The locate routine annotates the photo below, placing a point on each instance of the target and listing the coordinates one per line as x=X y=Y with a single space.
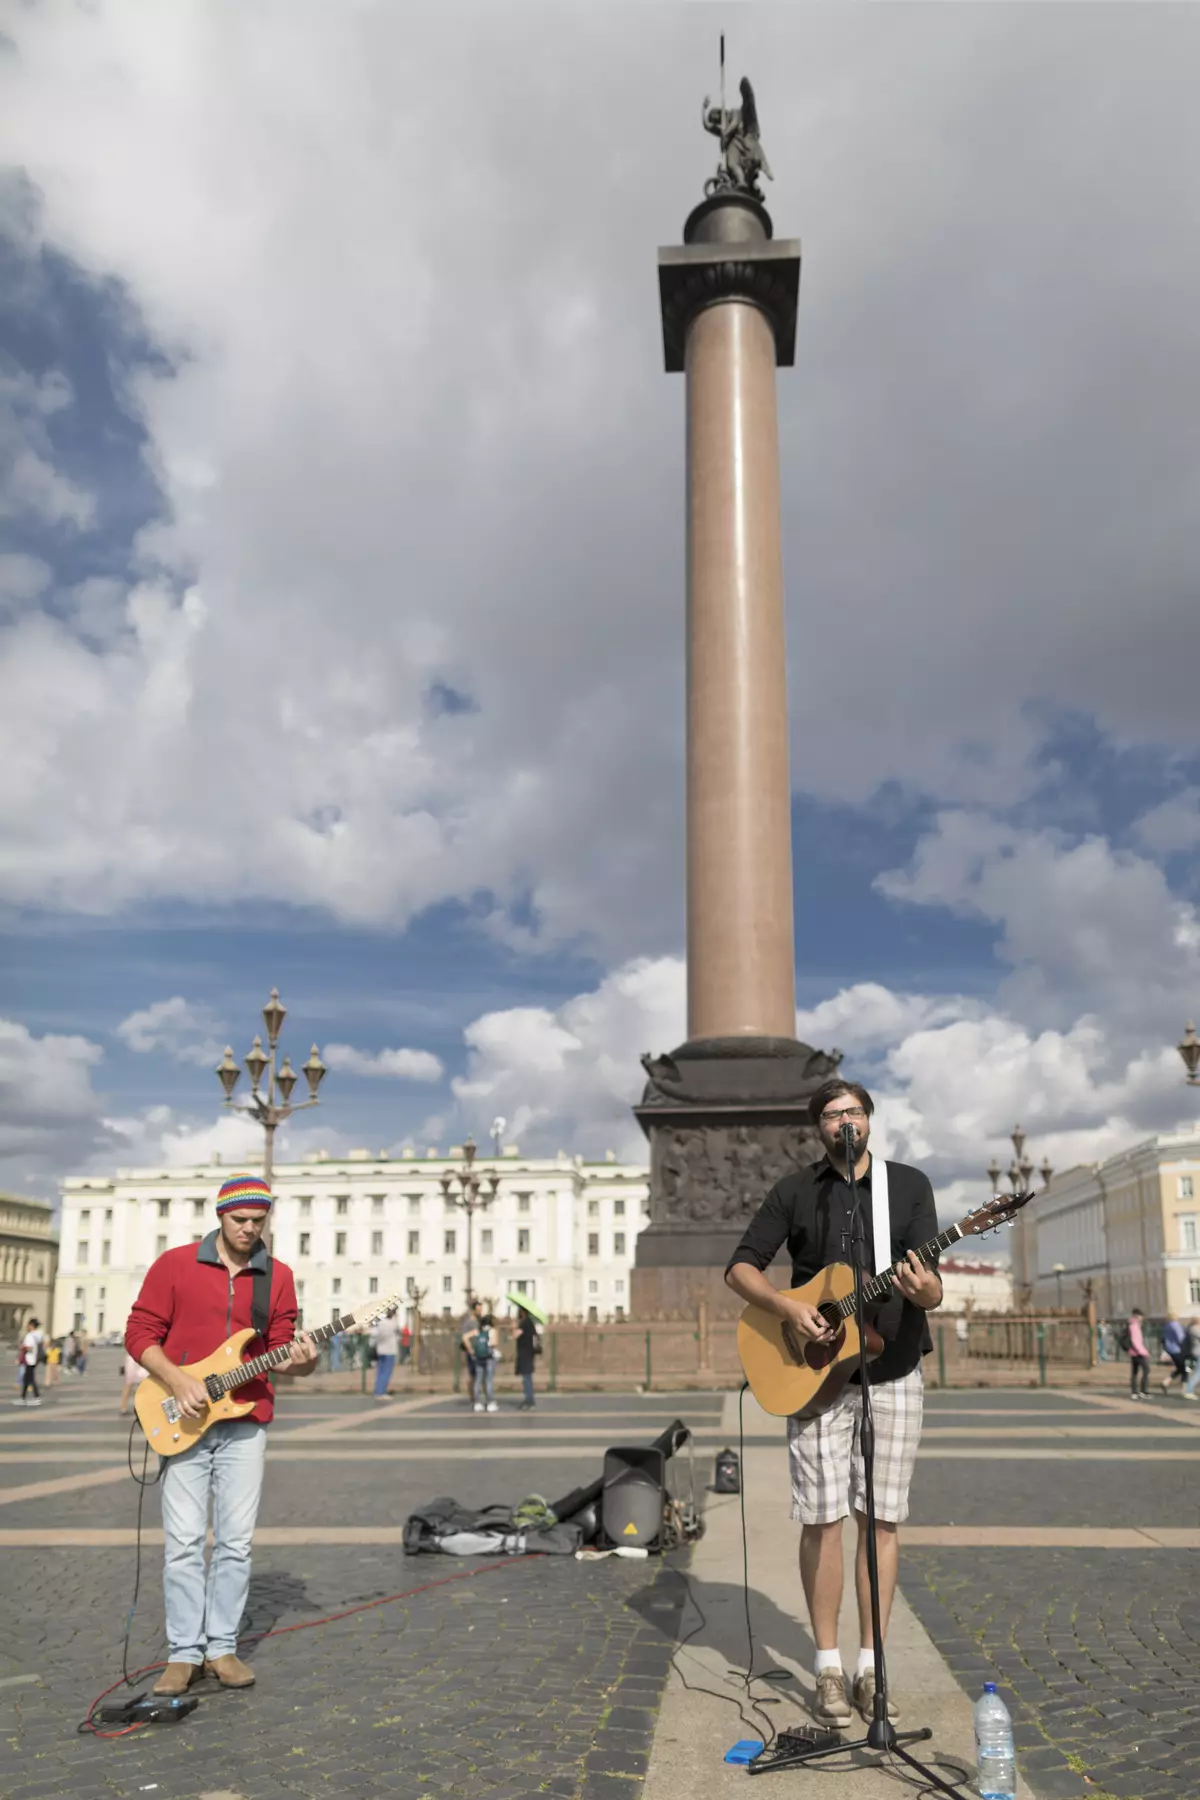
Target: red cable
x=304 y=1625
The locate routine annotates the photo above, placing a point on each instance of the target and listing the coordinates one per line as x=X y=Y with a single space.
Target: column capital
x=694 y=276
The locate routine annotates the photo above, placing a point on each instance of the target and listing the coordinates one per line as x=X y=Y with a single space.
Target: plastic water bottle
x=994 y=1746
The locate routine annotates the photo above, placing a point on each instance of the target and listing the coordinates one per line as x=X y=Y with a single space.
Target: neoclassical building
x=363 y=1225
x=28 y=1258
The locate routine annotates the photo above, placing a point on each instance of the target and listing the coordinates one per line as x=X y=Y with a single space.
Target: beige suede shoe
x=230 y=1672
x=177 y=1678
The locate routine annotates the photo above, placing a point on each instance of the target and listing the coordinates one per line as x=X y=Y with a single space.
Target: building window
x=306 y=1207
x=106 y=1252
x=449 y=1240
x=522 y=1287
x=335 y=1286
x=618 y=1243
x=522 y=1243
x=620 y=1312
x=485 y=1242
x=99 y=1321
x=523 y=1202
x=593 y=1243
x=619 y=1286
x=372 y=1284
x=377 y=1243
x=593 y=1287
x=299 y=1290
x=339 y=1243
x=593 y=1316
x=79 y=1293
x=343 y=1205
x=197 y=1239
x=197 y=1209
x=305 y=1242
x=160 y=1245
x=377 y=1204
x=414 y=1243
x=448 y=1200
x=1194 y=1290
x=593 y=1209
x=447 y=1284
x=414 y=1206
x=108 y=1215
x=85 y=1217
x=1187 y=1232
x=164 y=1209
x=84 y=1247
x=100 y=1293
x=1185 y=1187
x=618 y=1209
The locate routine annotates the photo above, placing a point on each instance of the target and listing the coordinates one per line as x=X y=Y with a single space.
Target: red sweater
x=190 y=1303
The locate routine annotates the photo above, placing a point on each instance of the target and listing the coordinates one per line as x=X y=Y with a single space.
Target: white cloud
x=1172 y=825
x=869 y=1017
x=448 y=452
x=22 y=578
x=48 y=1106
x=30 y=484
x=392 y=1065
x=185 y=1030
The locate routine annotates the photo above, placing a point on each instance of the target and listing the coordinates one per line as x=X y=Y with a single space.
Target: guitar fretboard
x=271 y=1359
x=880 y=1285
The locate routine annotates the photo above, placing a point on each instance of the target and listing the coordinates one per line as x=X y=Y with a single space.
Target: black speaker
x=727 y=1473
x=634 y=1493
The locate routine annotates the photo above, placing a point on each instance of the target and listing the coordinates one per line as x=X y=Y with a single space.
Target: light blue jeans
x=485 y=1382
x=226 y=1465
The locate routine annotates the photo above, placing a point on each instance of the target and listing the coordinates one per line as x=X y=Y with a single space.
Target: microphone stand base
x=882 y=1736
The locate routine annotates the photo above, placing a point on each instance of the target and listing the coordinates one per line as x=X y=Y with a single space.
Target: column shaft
x=741 y=963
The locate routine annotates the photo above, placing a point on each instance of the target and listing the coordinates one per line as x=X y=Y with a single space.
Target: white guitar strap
x=881 y=1217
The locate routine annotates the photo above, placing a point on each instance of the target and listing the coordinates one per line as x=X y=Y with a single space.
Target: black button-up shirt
x=810 y=1212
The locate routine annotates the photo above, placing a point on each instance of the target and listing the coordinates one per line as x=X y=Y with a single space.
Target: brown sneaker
x=230 y=1672
x=832 y=1706
x=177 y=1678
x=864 y=1697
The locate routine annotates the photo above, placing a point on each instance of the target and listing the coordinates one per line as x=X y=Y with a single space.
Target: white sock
x=866 y=1661
x=829 y=1659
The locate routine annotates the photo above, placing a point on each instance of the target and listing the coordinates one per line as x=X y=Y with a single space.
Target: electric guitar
x=222 y=1374
x=788 y=1373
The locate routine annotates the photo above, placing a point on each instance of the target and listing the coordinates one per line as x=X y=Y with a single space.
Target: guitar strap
x=260 y=1304
x=881 y=1218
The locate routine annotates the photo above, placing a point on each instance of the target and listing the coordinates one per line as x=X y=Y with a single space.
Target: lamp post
x=1020 y=1175
x=1189 y=1048
x=415 y=1296
x=470 y=1199
x=1060 y=1270
x=263 y=1104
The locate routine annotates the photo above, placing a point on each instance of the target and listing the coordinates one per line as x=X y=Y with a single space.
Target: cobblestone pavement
x=1095 y=1651
x=540 y=1677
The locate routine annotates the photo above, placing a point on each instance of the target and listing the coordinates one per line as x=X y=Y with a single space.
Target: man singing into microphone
x=810 y=1211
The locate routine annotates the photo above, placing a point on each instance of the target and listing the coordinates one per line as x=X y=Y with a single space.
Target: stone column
x=726 y=1112
x=741 y=972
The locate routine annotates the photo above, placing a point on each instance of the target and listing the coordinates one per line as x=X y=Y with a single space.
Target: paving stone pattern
x=1097 y=1656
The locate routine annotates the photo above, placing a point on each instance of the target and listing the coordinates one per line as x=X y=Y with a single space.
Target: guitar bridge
x=170 y=1407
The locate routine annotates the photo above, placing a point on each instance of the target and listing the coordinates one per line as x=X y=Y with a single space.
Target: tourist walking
x=1139 y=1357
x=30 y=1355
x=1174 y=1343
x=405 y=1343
x=467 y=1330
x=132 y=1375
x=1193 y=1380
x=483 y=1350
x=528 y=1347
x=386 y=1338
x=53 y=1362
x=81 y=1352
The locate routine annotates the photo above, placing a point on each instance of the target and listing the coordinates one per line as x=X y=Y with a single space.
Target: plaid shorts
x=826 y=1461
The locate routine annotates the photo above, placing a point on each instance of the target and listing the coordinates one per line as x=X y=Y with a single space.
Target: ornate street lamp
x=1060 y=1270
x=994 y=1173
x=1189 y=1048
x=470 y=1199
x=270 y=1103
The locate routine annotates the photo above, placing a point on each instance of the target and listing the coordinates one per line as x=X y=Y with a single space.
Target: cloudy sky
x=341 y=579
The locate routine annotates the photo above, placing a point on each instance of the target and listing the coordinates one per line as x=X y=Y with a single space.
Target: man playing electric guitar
x=192 y=1299
x=810 y=1211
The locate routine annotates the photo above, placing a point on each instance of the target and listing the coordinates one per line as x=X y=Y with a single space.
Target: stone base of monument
x=726 y=1119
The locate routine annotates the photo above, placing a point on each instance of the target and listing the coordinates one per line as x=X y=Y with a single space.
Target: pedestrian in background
x=81 y=1352
x=405 y=1343
x=483 y=1350
x=133 y=1374
x=1174 y=1343
x=387 y=1347
x=467 y=1330
x=53 y=1362
x=1139 y=1357
x=29 y=1356
x=1193 y=1380
x=528 y=1347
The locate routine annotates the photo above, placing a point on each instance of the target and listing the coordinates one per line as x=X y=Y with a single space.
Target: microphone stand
x=881 y=1733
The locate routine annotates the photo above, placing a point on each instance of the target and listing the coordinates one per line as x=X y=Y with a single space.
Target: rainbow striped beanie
x=249 y=1193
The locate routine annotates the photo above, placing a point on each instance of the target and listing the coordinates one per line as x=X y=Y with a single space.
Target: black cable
x=142 y=1484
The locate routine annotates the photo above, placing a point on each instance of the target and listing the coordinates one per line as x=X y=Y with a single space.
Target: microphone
x=849 y=1138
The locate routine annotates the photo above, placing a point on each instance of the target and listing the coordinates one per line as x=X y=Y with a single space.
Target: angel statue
x=742 y=154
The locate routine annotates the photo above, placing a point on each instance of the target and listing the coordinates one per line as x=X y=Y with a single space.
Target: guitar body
x=155 y=1403
x=788 y=1374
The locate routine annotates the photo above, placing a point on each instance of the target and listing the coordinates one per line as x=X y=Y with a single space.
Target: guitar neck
x=271 y=1359
x=880 y=1286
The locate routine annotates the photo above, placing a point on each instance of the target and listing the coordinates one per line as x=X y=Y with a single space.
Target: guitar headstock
x=1001 y=1209
x=375 y=1309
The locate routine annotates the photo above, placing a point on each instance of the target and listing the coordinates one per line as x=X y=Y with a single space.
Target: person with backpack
x=1134 y=1344
x=483 y=1348
x=1174 y=1343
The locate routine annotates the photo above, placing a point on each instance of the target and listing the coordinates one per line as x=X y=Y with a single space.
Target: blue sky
x=341 y=573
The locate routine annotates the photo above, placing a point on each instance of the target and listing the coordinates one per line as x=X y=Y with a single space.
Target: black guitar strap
x=260 y=1305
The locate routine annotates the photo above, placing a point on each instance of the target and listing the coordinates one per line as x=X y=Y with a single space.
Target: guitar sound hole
x=819 y=1356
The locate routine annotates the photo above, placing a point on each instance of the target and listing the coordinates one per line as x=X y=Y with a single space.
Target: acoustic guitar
x=789 y=1374
x=223 y=1373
